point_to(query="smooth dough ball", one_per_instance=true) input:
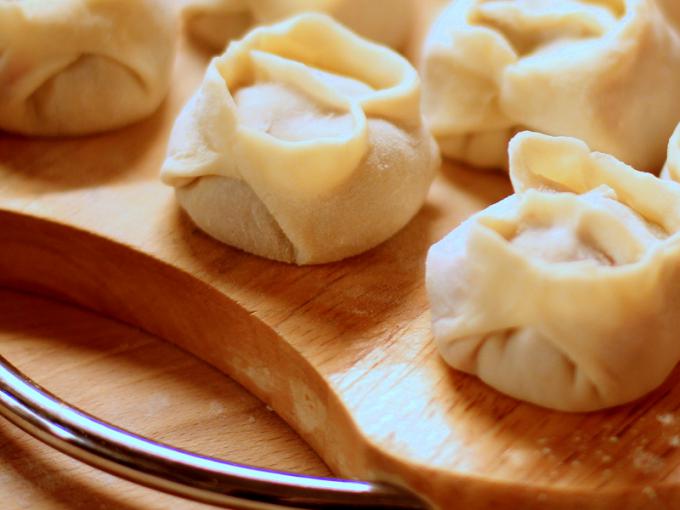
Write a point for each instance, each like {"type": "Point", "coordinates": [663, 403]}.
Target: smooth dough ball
{"type": "Point", "coordinates": [304, 144]}
{"type": "Point", "coordinates": [73, 67]}
{"type": "Point", "coordinates": [605, 71]}
{"type": "Point", "coordinates": [216, 22]}
{"type": "Point", "coordinates": [567, 293]}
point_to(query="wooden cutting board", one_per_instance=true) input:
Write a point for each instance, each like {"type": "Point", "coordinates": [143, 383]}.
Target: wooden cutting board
{"type": "Point", "coordinates": [138, 382]}
{"type": "Point", "coordinates": [343, 352]}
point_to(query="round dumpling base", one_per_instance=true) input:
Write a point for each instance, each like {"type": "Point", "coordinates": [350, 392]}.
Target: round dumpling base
{"type": "Point", "coordinates": [228, 210]}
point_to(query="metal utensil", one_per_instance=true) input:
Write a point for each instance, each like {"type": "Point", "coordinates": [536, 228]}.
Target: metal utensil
{"type": "Point", "coordinates": [175, 471]}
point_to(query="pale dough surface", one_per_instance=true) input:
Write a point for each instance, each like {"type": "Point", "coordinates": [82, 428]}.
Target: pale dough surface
{"type": "Point", "coordinates": [671, 169]}
{"type": "Point", "coordinates": [604, 71]}
{"type": "Point", "coordinates": [305, 143]}
{"type": "Point", "coordinates": [216, 22]}
{"type": "Point", "coordinates": [565, 294]}
{"type": "Point", "coordinates": [72, 67]}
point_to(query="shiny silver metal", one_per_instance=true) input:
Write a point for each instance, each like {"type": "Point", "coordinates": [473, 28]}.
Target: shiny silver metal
{"type": "Point", "coordinates": [175, 471]}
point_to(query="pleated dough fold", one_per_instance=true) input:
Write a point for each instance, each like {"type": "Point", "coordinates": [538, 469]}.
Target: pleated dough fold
{"type": "Point", "coordinates": [321, 137]}
{"type": "Point", "coordinates": [604, 71]}
{"type": "Point", "coordinates": [565, 294]}
{"type": "Point", "coordinates": [72, 67]}
{"type": "Point", "coordinates": [216, 22]}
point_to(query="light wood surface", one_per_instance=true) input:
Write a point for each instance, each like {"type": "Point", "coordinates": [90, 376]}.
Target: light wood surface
{"type": "Point", "coordinates": [138, 382]}
{"type": "Point", "coordinates": [342, 352]}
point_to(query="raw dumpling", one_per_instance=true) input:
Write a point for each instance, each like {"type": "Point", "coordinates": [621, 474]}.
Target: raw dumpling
{"type": "Point", "coordinates": [567, 293]}
{"type": "Point", "coordinates": [304, 143]}
{"type": "Point", "coordinates": [72, 67]}
{"type": "Point", "coordinates": [216, 22]}
{"type": "Point", "coordinates": [604, 71]}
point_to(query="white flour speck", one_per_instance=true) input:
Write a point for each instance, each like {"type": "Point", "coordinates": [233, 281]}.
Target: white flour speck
{"type": "Point", "coordinates": [215, 408]}
{"type": "Point", "coordinates": [649, 492]}
{"type": "Point", "coordinates": [647, 462]}
{"type": "Point", "coordinates": [665, 419]}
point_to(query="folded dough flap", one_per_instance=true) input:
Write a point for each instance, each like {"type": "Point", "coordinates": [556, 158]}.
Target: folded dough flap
{"type": "Point", "coordinates": [320, 71]}
{"type": "Point", "coordinates": [317, 41]}
{"type": "Point", "coordinates": [566, 164]}
{"type": "Point", "coordinates": [202, 136]}
{"type": "Point", "coordinates": [531, 24]}
{"type": "Point", "coordinates": [215, 22]}
{"type": "Point", "coordinates": [462, 65]}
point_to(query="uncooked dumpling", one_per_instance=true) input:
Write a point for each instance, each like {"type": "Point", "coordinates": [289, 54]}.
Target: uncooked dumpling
{"type": "Point", "coordinates": [566, 293]}
{"type": "Point", "coordinates": [72, 67]}
{"type": "Point", "coordinates": [604, 71]}
{"type": "Point", "coordinates": [304, 143]}
{"type": "Point", "coordinates": [216, 22]}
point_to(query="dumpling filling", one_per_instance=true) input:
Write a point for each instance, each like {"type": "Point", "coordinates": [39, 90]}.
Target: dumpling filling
{"type": "Point", "coordinates": [599, 229]}
{"type": "Point", "coordinates": [288, 113]}
{"type": "Point", "coordinates": [557, 243]}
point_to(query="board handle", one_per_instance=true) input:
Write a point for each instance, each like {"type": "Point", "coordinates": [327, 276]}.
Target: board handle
{"type": "Point", "coordinates": [185, 474]}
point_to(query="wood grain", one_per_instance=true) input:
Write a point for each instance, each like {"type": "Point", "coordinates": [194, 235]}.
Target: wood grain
{"type": "Point", "coordinates": [343, 352]}
{"type": "Point", "coordinates": [138, 382]}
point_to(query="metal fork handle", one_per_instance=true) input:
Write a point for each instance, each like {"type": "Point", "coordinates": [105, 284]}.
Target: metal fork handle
{"type": "Point", "coordinates": [175, 471]}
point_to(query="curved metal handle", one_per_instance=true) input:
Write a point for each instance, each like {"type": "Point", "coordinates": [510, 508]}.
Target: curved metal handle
{"type": "Point", "coordinates": [175, 471]}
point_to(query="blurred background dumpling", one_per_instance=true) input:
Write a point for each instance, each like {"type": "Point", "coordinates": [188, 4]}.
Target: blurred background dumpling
{"type": "Point", "coordinates": [216, 22]}
{"type": "Point", "coordinates": [73, 67]}
{"type": "Point", "coordinates": [604, 71]}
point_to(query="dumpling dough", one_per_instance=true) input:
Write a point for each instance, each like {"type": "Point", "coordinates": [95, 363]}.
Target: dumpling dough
{"type": "Point", "coordinates": [216, 22]}
{"type": "Point", "coordinates": [567, 293]}
{"type": "Point", "coordinates": [604, 71]}
{"type": "Point", "coordinates": [672, 168]}
{"type": "Point", "coordinates": [304, 143]}
{"type": "Point", "coordinates": [72, 67]}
